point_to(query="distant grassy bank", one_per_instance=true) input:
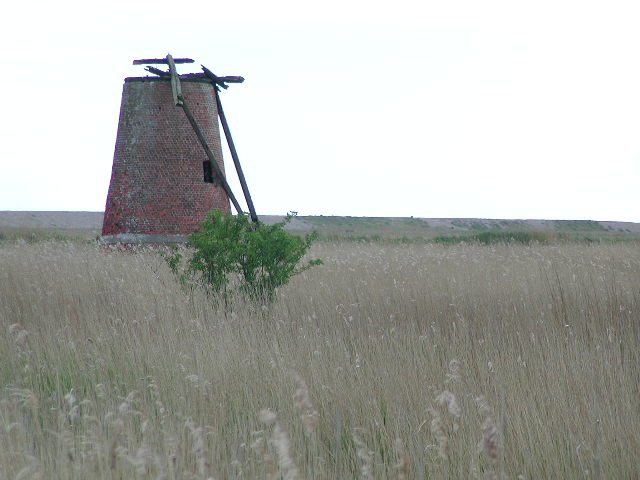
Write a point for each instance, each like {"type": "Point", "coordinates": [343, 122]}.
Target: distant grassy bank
{"type": "Point", "coordinates": [37, 235]}
{"type": "Point", "coordinates": [85, 226]}
{"type": "Point", "coordinates": [30, 236]}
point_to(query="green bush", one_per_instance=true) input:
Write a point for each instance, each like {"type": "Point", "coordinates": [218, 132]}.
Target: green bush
{"type": "Point", "coordinates": [230, 252]}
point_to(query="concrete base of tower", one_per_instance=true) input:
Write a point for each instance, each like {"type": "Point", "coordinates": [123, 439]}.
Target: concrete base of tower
{"type": "Point", "coordinates": [140, 238]}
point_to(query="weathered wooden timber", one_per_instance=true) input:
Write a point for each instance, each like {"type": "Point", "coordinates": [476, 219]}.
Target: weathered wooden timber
{"type": "Point", "coordinates": [219, 81]}
{"type": "Point", "coordinates": [212, 159]}
{"type": "Point", "coordinates": [232, 148]}
{"type": "Point", "coordinates": [157, 71]}
{"type": "Point", "coordinates": [161, 61]}
{"type": "Point", "coordinates": [175, 81]}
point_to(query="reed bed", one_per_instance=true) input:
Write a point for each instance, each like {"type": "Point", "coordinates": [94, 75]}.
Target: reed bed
{"type": "Point", "coordinates": [389, 361]}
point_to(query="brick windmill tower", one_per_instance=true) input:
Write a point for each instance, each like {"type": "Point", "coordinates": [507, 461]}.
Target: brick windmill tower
{"type": "Point", "coordinates": [168, 171]}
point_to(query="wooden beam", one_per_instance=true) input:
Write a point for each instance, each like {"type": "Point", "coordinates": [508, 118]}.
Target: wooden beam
{"type": "Point", "coordinates": [221, 81]}
{"type": "Point", "coordinates": [227, 133]}
{"type": "Point", "coordinates": [236, 160]}
{"type": "Point", "coordinates": [231, 79]}
{"type": "Point", "coordinates": [210, 156]}
{"type": "Point", "coordinates": [161, 61]}
{"type": "Point", "coordinates": [175, 81]}
{"type": "Point", "coordinates": [157, 71]}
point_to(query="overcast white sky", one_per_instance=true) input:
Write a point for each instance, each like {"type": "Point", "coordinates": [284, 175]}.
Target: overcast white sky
{"type": "Point", "coordinates": [456, 108]}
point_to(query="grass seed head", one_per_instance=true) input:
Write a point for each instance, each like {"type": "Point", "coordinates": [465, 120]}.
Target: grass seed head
{"type": "Point", "coordinates": [449, 399]}
{"type": "Point", "coordinates": [439, 432]}
{"type": "Point", "coordinates": [402, 467]}
{"type": "Point", "coordinates": [286, 464]}
{"type": "Point", "coordinates": [456, 372]}
{"type": "Point", "coordinates": [267, 416]}
{"type": "Point", "coordinates": [490, 442]}
{"type": "Point", "coordinates": [365, 456]}
{"type": "Point", "coordinates": [302, 400]}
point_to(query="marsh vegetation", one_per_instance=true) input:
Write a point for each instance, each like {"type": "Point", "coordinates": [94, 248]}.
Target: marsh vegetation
{"type": "Point", "coordinates": [388, 361]}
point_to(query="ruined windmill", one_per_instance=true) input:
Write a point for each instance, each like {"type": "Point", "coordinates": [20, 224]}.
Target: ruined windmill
{"type": "Point", "coordinates": [168, 170]}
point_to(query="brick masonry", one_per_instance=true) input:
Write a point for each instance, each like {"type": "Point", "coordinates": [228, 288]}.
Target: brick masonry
{"type": "Point", "coordinates": [157, 185]}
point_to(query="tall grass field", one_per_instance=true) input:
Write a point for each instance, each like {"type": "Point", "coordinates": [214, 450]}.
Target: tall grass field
{"type": "Point", "coordinates": [395, 361]}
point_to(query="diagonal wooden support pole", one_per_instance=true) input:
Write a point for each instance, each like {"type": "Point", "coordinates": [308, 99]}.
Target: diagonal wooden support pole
{"type": "Point", "coordinates": [232, 148]}
{"type": "Point", "coordinates": [236, 160]}
{"type": "Point", "coordinates": [212, 159]}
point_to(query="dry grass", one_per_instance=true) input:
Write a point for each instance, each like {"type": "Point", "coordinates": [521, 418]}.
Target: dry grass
{"type": "Point", "coordinates": [418, 361]}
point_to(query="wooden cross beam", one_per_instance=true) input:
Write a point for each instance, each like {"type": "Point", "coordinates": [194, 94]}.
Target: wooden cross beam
{"type": "Point", "coordinates": [161, 61]}
{"type": "Point", "coordinates": [219, 81]}
{"type": "Point", "coordinates": [157, 71]}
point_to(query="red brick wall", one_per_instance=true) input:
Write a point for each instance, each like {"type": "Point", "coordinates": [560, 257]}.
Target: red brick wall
{"type": "Point", "coordinates": [157, 183]}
